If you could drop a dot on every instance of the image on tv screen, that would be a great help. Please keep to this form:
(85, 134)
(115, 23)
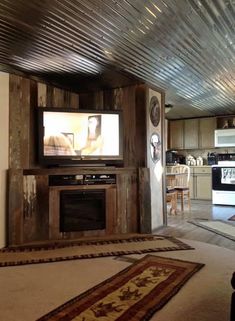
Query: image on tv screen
(81, 134)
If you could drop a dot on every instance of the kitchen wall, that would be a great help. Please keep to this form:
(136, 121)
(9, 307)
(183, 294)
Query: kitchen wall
(4, 143)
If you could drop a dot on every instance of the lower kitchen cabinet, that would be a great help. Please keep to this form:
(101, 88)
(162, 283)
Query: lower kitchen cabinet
(201, 183)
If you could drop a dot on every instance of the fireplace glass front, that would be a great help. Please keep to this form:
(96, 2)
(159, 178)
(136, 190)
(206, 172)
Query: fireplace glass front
(82, 210)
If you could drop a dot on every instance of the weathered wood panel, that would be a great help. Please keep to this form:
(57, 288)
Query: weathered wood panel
(127, 212)
(49, 96)
(42, 94)
(15, 207)
(111, 211)
(33, 125)
(19, 122)
(92, 100)
(144, 200)
(140, 133)
(36, 204)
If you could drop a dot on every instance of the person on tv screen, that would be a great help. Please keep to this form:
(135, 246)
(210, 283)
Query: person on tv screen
(94, 141)
(58, 144)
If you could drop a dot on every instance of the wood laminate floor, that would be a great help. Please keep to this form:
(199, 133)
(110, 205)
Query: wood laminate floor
(178, 225)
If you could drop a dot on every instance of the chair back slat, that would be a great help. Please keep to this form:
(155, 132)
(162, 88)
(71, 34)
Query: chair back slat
(183, 179)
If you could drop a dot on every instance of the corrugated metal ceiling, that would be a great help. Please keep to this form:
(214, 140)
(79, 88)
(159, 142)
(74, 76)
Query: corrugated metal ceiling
(186, 47)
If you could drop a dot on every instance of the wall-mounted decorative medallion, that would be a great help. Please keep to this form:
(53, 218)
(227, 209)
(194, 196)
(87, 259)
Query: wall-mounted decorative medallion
(154, 111)
(155, 147)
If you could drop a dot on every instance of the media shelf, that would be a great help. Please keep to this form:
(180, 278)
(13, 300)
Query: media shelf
(34, 206)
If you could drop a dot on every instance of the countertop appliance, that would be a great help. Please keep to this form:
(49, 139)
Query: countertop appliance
(223, 183)
(172, 157)
(211, 159)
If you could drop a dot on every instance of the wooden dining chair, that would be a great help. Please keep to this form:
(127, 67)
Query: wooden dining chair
(182, 183)
(171, 197)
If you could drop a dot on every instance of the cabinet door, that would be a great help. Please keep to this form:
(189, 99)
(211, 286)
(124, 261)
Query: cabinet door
(191, 129)
(176, 134)
(203, 186)
(207, 127)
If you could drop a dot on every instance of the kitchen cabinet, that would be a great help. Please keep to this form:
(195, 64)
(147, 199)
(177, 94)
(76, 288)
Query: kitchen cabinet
(176, 129)
(201, 183)
(207, 128)
(197, 133)
(191, 136)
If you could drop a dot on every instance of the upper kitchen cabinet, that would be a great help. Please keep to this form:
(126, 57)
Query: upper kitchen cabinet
(197, 133)
(207, 128)
(191, 137)
(176, 137)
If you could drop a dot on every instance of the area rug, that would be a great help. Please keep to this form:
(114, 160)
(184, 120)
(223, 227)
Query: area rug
(232, 218)
(134, 294)
(222, 228)
(88, 249)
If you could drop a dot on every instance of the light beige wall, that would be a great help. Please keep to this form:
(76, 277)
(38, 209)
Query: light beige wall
(156, 168)
(4, 147)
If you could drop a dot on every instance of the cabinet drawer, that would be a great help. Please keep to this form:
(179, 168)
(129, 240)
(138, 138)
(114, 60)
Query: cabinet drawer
(202, 170)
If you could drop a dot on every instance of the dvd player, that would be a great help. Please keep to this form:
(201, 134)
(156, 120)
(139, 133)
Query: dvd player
(88, 179)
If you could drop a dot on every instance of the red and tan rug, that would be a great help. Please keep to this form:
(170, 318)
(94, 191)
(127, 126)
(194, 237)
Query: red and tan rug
(134, 294)
(63, 251)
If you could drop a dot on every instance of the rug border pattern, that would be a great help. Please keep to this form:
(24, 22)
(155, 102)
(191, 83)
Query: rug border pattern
(179, 245)
(196, 223)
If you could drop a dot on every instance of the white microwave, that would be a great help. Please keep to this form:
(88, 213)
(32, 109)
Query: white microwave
(225, 137)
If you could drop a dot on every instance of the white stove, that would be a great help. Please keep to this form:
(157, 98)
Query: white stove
(223, 183)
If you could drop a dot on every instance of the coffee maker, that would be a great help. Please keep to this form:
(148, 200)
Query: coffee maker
(212, 159)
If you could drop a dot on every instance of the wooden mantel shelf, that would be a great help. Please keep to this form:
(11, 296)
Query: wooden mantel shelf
(79, 170)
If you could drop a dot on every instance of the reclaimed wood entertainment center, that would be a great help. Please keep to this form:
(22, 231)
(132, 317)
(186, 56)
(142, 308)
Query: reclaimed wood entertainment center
(35, 206)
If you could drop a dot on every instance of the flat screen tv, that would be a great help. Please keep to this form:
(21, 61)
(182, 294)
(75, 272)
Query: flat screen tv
(78, 137)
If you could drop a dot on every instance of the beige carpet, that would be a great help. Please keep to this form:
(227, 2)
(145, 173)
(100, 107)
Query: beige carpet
(30, 291)
(223, 228)
(74, 250)
(135, 293)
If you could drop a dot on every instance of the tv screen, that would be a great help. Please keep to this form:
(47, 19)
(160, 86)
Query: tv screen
(68, 136)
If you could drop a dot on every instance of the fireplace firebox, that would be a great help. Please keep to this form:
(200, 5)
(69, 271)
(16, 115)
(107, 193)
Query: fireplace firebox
(82, 210)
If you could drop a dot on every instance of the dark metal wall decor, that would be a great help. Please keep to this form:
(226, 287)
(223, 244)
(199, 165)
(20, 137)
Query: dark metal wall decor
(154, 111)
(155, 147)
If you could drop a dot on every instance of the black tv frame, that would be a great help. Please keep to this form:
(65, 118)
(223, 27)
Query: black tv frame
(91, 161)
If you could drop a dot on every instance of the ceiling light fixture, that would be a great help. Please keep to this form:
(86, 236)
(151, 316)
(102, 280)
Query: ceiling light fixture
(168, 107)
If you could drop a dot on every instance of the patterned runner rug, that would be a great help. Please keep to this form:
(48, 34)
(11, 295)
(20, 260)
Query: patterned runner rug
(222, 228)
(134, 294)
(88, 249)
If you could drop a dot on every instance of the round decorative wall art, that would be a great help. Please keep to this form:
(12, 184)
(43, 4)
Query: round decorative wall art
(155, 147)
(154, 110)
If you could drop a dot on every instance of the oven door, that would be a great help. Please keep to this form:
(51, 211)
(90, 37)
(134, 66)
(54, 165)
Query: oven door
(223, 178)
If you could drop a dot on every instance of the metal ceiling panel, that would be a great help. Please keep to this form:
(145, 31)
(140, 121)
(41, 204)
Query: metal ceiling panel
(185, 47)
